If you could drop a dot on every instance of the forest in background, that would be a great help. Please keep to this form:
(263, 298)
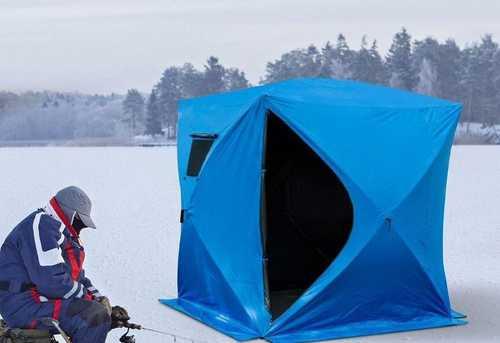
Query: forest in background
(469, 75)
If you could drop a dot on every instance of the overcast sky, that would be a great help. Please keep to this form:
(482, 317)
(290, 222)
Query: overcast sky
(112, 45)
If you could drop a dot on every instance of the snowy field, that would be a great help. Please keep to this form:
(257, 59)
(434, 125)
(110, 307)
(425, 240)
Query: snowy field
(132, 257)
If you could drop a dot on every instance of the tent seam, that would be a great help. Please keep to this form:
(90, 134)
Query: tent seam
(413, 189)
(338, 274)
(228, 130)
(419, 263)
(226, 283)
(452, 106)
(423, 175)
(331, 164)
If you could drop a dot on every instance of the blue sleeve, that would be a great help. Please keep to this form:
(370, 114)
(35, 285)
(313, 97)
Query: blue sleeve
(89, 286)
(43, 259)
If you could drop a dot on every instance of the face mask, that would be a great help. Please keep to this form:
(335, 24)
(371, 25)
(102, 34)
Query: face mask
(77, 223)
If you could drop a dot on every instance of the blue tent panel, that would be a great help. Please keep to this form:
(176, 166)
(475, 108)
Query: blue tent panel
(387, 148)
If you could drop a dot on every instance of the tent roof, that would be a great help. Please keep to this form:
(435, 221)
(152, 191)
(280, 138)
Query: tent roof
(352, 125)
(315, 90)
(330, 92)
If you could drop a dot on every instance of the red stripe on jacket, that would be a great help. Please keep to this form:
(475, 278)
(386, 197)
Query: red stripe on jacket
(62, 216)
(57, 309)
(35, 295)
(75, 266)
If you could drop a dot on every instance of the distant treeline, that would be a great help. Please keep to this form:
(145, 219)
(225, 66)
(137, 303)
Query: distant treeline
(60, 116)
(470, 75)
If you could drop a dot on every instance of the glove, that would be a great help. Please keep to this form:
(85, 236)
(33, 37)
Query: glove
(104, 301)
(119, 317)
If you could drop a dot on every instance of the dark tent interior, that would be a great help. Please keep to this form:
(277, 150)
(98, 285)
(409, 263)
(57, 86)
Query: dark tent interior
(307, 215)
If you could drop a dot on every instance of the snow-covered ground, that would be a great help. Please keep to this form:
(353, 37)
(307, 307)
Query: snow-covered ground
(132, 257)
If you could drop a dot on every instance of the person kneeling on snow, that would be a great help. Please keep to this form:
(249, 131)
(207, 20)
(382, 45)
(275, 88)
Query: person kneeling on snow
(42, 276)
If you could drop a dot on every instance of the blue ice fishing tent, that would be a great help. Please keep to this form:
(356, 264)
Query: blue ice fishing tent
(312, 209)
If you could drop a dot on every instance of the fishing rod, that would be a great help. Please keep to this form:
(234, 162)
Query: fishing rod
(131, 339)
(125, 338)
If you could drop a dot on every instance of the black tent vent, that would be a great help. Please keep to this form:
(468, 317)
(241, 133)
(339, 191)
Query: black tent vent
(201, 144)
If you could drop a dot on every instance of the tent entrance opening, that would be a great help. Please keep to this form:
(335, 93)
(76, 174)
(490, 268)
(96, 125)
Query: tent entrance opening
(307, 215)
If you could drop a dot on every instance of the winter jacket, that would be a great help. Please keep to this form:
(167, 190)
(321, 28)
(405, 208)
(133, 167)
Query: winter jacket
(44, 254)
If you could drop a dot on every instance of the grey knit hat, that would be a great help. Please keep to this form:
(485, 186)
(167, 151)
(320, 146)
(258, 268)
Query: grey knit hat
(74, 200)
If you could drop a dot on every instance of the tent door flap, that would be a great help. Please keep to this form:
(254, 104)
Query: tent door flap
(306, 215)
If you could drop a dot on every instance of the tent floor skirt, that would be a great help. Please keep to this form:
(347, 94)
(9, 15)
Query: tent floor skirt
(213, 319)
(240, 332)
(366, 329)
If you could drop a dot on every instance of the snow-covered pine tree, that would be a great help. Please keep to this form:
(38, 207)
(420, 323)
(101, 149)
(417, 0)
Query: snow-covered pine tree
(235, 79)
(367, 64)
(153, 115)
(378, 68)
(444, 59)
(488, 50)
(169, 92)
(399, 62)
(425, 60)
(133, 109)
(449, 70)
(296, 63)
(479, 93)
(342, 51)
(213, 76)
(360, 66)
(496, 82)
(326, 60)
(427, 78)
(336, 61)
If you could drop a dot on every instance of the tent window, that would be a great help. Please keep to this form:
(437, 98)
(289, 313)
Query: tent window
(199, 150)
(307, 215)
